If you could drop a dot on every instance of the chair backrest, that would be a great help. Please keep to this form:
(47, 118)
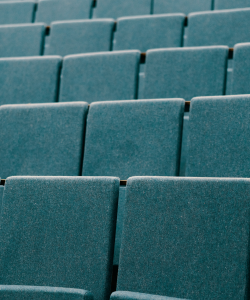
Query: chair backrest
(241, 69)
(130, 138)
(230, 4)
(42, 139)
(29, 79)
(17, 292)
(218, 143)
(147, 32)
(59, 232)
(138, 296)
(21, 40)
(59, 10)
(227, 27)
(181, 6)
(73, 37)
(100, 76)
(15, 12)
(120, 8)
(185, 72)
(186, 237)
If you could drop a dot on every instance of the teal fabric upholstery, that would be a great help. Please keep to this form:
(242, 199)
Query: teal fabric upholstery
(120, 8)
(230, 4)
(227, 27)
(1, 195)
(184, 144)
(194, 245)
(229, 77)
(42, 139)
(21, 40)
(181, 6)
(72, 37)
(59, 10)
(100, 76)
(21, 292)
(64, 230)
(138, 296)
(241, 69)
(130, 138)
(119, 223)
(126, 138)
(29, 79)
(185, 72)
(15, 12)
(147, 32)
(219, 137)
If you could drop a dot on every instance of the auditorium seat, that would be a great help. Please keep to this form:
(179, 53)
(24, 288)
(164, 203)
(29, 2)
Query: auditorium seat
(219, 137)
(230, 4)
(226, 27)
(181, 6)
(120, 8)
(58, 10)
(21, 40)
(59, 232)
(20, 292)
(42, 139)
(130, 138)
(185, 72)
(29, 79)
(138, 296)
(186, 237)
(100, 76)
(147, 32)
(72, 37)
(241, 69)
(15, 12)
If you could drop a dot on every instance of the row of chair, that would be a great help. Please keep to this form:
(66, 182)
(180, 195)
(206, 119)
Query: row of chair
(183, 237)
(169, 73)
(126, 138)
(141, 33)
(48, 11)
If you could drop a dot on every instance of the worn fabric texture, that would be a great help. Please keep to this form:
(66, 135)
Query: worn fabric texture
(100, 76)
(120, 8)
(21, 40)
(227, 27)
(29, 79)
(148, 32)
(59, 232)
(54, 10)
(138, 296)
(21, 292)
(119, 224)
(241, 69)
(219, 137)
(42, 139)
(73, 37)
(130, 138)
(196, 243)
(15, 12)
(181, 6)
(185, 72)
(230, 4)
